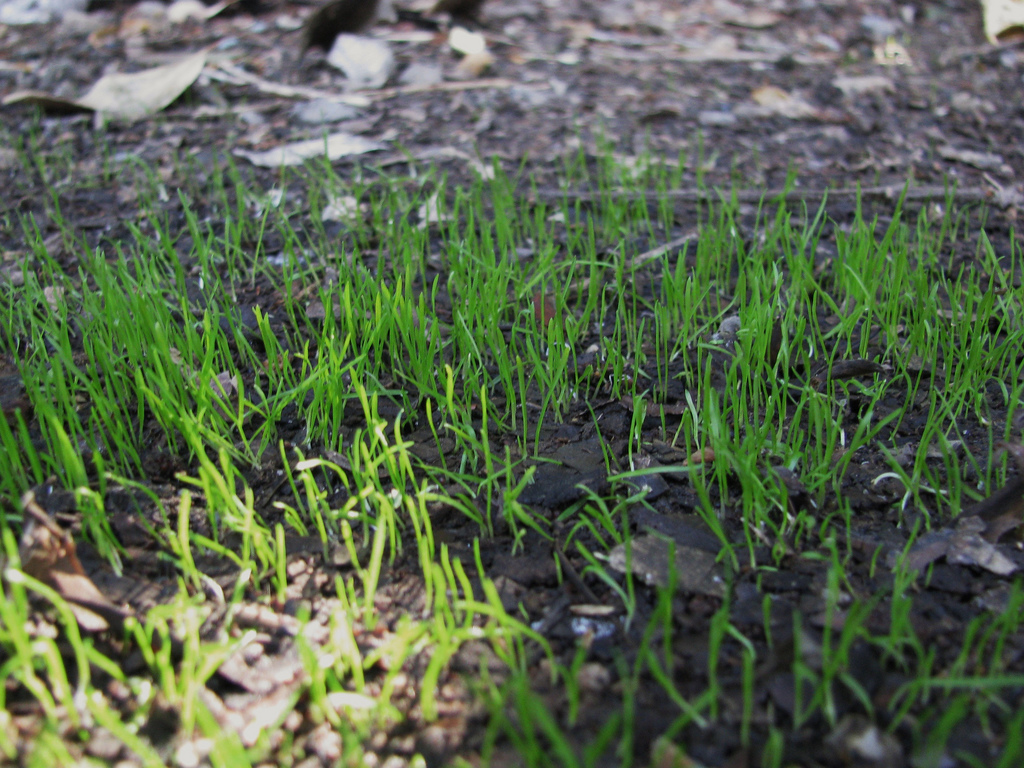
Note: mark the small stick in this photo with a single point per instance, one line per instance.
(966, 194)
(574, 577)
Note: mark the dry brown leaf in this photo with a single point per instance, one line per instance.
(703, 456)
(967, 547)
(962, 545)
(1003, 511)
(544, 308)
(224, 385)
(47, 554)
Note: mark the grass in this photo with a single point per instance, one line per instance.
(481, 328)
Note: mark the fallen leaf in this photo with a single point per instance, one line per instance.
(263, 712)
(335, 146)
(544, 308)
(461, 40)
(320, 111)
(47, 554)
(962, 545)
(703, 456)
(967, 547)
(852, 85)
(421, 74)
(345, 209)
(742, 16)
(696, 570)
(18, 12)
(1007, 517)
(123, 96)
(982, 160)
(430, 212)
(182, 10)
(143, 93)
(860, 742)
(779, 102)
(1000, 16)
(665, 754)
(51, 105)
(473, 65)
(54, 295)
(1003, 511)
(365, 61)
(224, 385)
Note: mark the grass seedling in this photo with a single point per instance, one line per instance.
(250, 336)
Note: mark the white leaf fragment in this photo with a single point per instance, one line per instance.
(335, 146)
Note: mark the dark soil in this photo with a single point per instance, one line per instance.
(573, 79)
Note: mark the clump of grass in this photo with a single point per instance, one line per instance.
(433, 326)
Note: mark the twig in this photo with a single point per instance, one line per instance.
(661, 250)
(574, 577)
(965, 52)
(230, 73)
(447, 87)
(892, 192)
